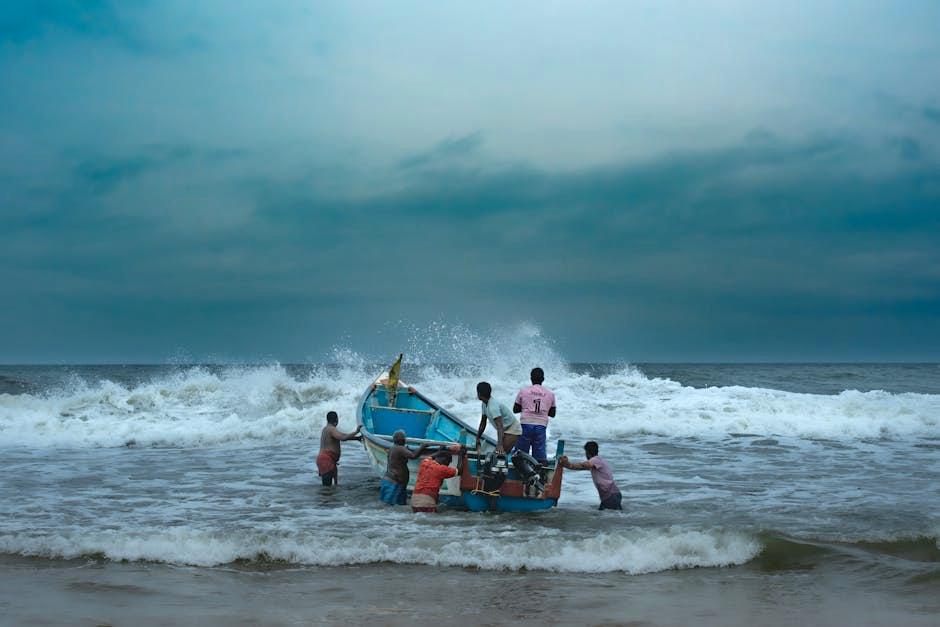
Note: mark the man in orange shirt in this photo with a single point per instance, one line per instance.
(431, 474)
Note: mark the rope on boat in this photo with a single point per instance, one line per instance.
(479, 489)
(496, 493)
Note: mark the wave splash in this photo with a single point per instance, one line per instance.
(199, 406)
(637, 552)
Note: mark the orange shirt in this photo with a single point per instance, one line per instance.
(430, 477)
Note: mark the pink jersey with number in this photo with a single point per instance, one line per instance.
(535, 401)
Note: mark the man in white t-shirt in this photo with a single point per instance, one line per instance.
(498, 414)
(536, 404)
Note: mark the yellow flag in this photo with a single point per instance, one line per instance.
(394, 373)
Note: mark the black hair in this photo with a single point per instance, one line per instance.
(484, 389)
(537, 376)
(590, 448)
(331, 417)
(443, 457)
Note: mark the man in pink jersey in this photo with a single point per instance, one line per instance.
(537, 405)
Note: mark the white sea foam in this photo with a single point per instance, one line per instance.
(196, 407)
(634, 552)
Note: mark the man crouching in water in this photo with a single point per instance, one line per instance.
(328, 458)
(431, 474)
(394, 486)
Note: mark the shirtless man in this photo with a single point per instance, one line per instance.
(394, 486)
(328, 457)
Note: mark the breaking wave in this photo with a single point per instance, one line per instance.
(635, 552)
(201, 406)
(638, 552)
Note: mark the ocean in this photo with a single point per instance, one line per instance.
(774, 494)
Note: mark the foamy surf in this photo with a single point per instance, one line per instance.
(633, 552)
(198, 407)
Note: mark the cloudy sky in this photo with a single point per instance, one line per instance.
(642, 181)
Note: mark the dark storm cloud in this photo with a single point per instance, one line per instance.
(907, 147)
(446, 150)
(263, 179)
(765, 228)
(22, 20)
(103, 174)
(789, 204)
(129, 25)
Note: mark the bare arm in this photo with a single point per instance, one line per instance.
(460, 452)
(551, 411)
(574, 465)
(339, 435)
(416, 453)
(516, 408)
(481, 429)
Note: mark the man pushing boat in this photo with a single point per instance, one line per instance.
(394, 486)
(328, 457)
(431, 474)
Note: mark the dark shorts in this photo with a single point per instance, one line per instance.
(426, 510)
(533, 437)
(329, 478)
(611, 502)
(392, 493)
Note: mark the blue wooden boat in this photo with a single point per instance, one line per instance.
(382, 410)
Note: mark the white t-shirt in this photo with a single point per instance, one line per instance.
(494, 409)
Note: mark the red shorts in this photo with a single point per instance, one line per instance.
(326, 462)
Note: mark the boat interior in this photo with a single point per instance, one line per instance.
(414, 415)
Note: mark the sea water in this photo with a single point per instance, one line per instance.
(794, 478)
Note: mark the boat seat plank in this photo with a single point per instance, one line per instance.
(406, 410)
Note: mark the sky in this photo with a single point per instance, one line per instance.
(629, 181)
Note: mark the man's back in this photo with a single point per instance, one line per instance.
(397, 469)
(431, 475)
(329, 441)
(603, 477)
(536, 400)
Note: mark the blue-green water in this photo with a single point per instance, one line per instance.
(752, 477)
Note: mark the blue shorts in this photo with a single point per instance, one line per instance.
(392, 493)
(533, 436)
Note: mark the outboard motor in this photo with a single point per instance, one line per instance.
(528, 468)
(493, 472)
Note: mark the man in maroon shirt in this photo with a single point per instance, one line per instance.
(601, 475)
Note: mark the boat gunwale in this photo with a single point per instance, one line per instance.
(385, 443)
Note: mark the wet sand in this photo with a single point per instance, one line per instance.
(92, 592)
